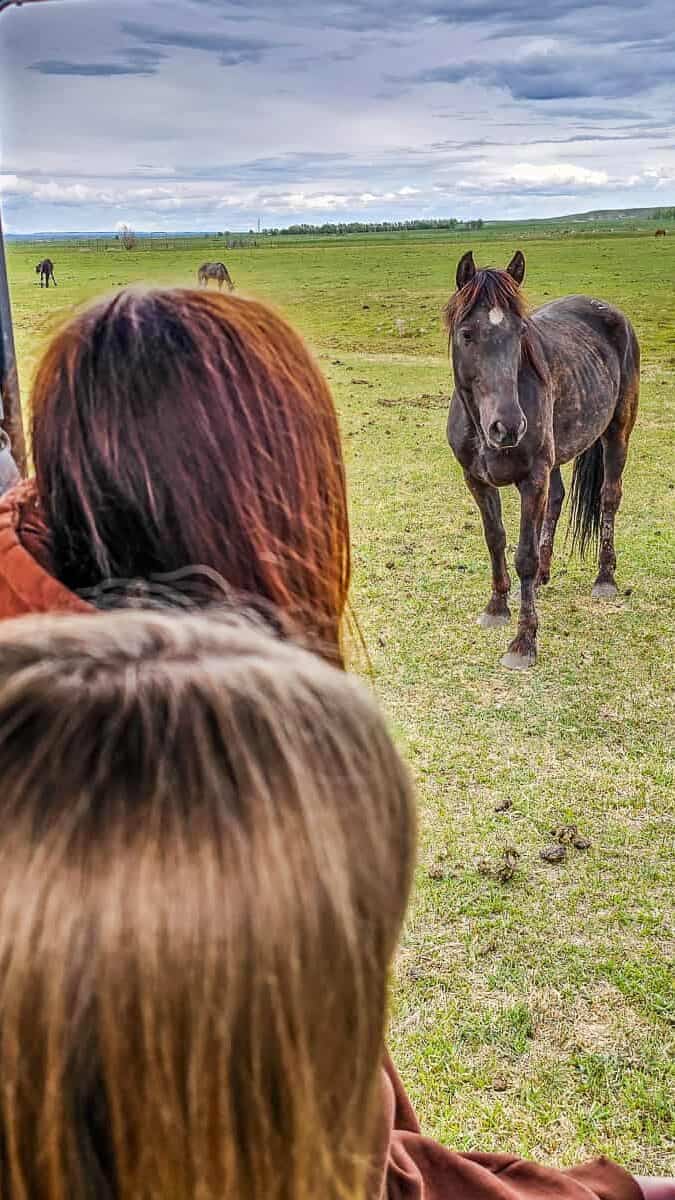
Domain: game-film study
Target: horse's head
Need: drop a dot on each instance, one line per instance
(38, 269)
(486, 321)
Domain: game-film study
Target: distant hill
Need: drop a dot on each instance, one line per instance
(107, 234)
(615, 214)
(599, 215)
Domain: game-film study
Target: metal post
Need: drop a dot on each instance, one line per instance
(10, 400)
(12, 440)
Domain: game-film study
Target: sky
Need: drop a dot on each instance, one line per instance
(188, 115)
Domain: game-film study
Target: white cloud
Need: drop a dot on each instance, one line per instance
(564, 174)
(12, 185)
(543, 178)
(70, 193)
(320, 202)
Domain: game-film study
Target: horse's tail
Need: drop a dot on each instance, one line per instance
(586, 498)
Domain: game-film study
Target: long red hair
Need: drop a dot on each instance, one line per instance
(177, 429)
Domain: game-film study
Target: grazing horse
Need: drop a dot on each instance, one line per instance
(533, 392)
(45, 270)
(661, 233)
(214, 270)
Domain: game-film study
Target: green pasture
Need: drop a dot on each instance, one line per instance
(534, 1015)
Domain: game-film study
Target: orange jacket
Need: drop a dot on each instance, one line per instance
(26, 585)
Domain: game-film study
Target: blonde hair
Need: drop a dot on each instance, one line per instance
(206, 844)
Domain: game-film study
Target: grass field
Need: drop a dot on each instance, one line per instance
(535, 1015)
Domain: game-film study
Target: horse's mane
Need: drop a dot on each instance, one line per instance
(498, 289)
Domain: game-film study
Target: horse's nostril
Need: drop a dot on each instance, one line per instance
(498, 432)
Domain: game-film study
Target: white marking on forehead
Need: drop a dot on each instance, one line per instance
(495, 316)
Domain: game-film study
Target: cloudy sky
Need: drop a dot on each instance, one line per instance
(212, 114)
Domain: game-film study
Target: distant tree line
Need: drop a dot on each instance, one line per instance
(342, 227)
(662, 214)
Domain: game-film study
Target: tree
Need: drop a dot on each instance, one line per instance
(127, 237)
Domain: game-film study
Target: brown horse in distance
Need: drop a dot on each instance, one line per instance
(45, 270)
(533, 392)
(217, 271)
(661, 233)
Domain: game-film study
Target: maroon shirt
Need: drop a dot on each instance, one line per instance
(413, 1167)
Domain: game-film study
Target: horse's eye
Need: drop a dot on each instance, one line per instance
(466, 335)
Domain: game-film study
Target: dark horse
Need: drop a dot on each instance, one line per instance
(533, 392)
(214, 270)
(661, 233)
(45, 270)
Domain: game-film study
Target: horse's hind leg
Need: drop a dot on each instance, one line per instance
(556, 495)
(490, 505)
(615, 451)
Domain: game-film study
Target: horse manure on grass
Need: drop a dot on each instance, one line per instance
(504, 869)
(554, 854)
(565, 834)
(568, 835)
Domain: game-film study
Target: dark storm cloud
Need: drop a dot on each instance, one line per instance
(231, 50)
(284, 167)
(558, 75)
(603, 114)
(130, 62)
(58, 66)
(383, 15)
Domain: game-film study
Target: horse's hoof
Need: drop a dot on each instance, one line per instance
(518, 662)
(488, 620)
(604, 591)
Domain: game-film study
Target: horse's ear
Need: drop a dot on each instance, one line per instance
(516, 268)
(466, 269)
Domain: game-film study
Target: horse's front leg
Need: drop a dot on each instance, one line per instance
(489, 503)
(533, 499)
